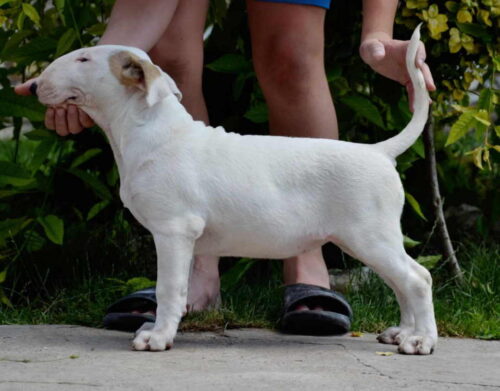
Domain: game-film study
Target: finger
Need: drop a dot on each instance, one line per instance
(24, 89)
(61, 123)
(373, 51)
(429, 81)
(85, 120)
(421, 56)
(50, 122)
(73, 121)
(410, 91)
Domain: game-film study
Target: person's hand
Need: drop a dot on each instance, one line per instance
(64, 119)
(388, 57)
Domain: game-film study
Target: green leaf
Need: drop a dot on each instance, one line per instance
(15, 175)
(233, 276)
(53, 227)
(87, 155)
(40, 134)
(4, 299)
(8, 193)
(42, 152)
(60, 9)
(409, 242)
(14, 42)
(363, 107)
(97, 29)
(258, 113)
(33, 241)
(20, 106)
(415, 205)
(93, 182)
(476, 30)
(419, 148)
(38, 49)
(461, 127)
(485, 99)
(3, 276)
(429, 261)
(66, 42)
(31, 13)
(94, 211)
(21, 17)
(11, 227)
(230, 63)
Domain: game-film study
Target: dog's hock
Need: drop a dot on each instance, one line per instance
(133, 71)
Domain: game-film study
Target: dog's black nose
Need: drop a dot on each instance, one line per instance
(33, 88)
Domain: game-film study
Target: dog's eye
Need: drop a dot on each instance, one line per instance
(82, 59)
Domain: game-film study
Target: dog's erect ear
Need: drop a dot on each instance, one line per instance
(134, 71)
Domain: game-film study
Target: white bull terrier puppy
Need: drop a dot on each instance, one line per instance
(202, 191)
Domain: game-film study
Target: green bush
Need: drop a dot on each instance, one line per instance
(59, 208)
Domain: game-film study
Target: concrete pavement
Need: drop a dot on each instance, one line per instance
(57, 357)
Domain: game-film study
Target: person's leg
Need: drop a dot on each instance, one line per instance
(287, 46)
(179, 52)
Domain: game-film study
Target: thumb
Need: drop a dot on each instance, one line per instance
(373, 51)
(24, 89)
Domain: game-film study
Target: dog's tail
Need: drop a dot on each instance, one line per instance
(396, 145)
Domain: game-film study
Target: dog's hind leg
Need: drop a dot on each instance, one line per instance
(417, 333)
(174, 254)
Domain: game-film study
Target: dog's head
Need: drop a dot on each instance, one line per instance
(94, 76)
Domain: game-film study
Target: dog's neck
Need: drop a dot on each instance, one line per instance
(125, 123)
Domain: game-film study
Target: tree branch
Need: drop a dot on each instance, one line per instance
(437, 202)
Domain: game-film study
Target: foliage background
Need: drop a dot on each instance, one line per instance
(60, 214)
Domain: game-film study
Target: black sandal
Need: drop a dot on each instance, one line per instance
(334, 318)
(119, 315)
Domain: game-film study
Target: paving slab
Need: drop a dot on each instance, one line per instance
(74, 358)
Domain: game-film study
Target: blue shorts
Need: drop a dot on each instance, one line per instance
(317, 3)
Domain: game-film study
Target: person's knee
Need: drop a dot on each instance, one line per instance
(285, 67)
(185, 66)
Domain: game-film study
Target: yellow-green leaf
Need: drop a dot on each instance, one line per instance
(464, 16)
(477, 155)
(451, 6)
(66, 42)
(415, 205)
(3, 276)
(461, 127)
(31, 13)
(53, 227)
(429, 261)
(484, 16)
(482, 117)
(454, 43)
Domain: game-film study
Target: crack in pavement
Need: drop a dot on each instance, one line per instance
(380, 373)
(62, 383)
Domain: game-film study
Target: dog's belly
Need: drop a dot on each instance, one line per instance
(254, 245)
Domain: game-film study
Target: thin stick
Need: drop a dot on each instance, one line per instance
(437, 202)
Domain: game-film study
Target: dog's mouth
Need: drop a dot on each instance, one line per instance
(50, 96)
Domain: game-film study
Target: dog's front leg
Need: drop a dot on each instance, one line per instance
(175, 253)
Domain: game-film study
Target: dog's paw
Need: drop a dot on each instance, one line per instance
(147, 326)
(152, 340)
(394, 335)
(415, 344)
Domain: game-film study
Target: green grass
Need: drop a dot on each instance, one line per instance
(468, 310)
